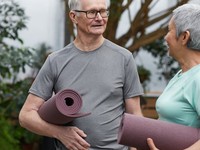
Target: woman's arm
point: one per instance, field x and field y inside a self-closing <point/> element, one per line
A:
<point x="195" y="146"/>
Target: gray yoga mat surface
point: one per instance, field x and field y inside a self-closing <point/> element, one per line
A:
<point x="135" y="130"/>
<point x="62" y="108"/>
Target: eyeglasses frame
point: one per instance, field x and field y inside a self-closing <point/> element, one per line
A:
<point x="97" y="11"/>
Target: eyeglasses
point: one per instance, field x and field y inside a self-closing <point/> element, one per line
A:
<point x="91" y="14"/>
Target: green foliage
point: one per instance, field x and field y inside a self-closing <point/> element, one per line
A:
<point x="12" y="136"/>
<point x="11" y="102"/>
<point x="8" y="140"/>
<point x="144" y="75"/>
<point x="13" y="58"/>
<point x="12" y="20"/>
<point x="12" y="97"/>
<point x="40" y="56"/>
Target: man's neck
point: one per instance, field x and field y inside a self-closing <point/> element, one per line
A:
<point x="88" y="44"/>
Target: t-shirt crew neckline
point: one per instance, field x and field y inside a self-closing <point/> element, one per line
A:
<point x="180" y="73"/>
<point x="91" y="51"/>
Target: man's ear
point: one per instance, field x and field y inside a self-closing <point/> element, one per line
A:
<point x="72" y="16"/>
<point x="185" y="37"/>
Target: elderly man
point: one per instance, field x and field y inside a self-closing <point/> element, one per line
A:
<point x="103" y="73"/>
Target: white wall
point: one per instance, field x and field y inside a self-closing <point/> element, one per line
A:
<point x="45" y="23"/>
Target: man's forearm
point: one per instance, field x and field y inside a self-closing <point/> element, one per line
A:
<point x="36" y="125"/>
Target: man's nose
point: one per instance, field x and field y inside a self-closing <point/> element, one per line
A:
<point x="98" y="16"/>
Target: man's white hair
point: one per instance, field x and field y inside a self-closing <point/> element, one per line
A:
<point x="74" y="4"/>
<point x="194" y="2"/>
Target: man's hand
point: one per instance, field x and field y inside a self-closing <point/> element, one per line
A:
<point x="73" y="138"/>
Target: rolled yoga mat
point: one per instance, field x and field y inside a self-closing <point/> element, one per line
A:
<point x="62" y="107"/>
<point x="135" y="130"/>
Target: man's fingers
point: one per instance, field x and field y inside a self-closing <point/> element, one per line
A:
<point x="79" y="145"/>
<point x="75" y="139"/>
<point x="83" y="143"/>
<point x="80" y="139"/>
<point x="80" y="133"/>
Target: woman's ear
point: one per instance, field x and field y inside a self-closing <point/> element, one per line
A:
<point x="185" y="37"/>
<point x="72" y="16"/>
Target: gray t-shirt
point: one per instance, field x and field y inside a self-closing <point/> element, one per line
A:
<point x="104" y="77"/>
